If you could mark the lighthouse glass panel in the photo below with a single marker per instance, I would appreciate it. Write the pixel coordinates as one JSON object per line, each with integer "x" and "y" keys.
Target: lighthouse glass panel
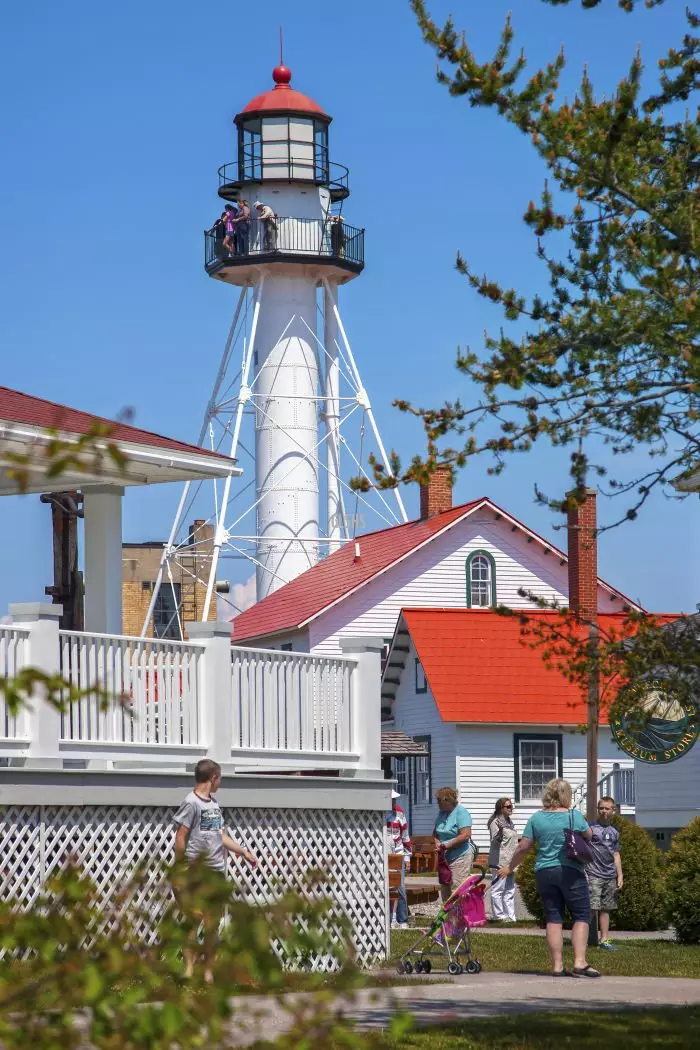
{"x": 287, "y": 148}
{"x": 250, "y": 150}
{"x": 480, "y": 581}
{"x": 321, "y": 151}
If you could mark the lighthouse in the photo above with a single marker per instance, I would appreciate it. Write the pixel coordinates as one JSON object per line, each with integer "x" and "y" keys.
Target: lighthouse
{"x": 284, "y": 243}
{"x": 283, "y": 161}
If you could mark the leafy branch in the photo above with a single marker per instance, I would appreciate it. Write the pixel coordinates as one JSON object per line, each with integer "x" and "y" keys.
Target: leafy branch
{"x": 611, "y": 354}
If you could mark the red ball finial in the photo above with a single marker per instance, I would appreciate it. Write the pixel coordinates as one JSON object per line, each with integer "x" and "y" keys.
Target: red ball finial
{"x": 281, "y": 75}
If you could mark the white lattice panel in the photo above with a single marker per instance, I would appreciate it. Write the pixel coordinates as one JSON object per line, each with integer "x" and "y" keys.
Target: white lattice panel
{"x": 110, "y": 841}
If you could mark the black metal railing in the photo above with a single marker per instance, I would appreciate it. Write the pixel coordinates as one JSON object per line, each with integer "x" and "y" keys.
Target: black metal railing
{"x": 327, "y": 238}
{"x": 318, "y": 170}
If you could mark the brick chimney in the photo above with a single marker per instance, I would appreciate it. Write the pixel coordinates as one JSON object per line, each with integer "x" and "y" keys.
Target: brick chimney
{"x": 436, "y": 496}
{"x": 583, "y": 558}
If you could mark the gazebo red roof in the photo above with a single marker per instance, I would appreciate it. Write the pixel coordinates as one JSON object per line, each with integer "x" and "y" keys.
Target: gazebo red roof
{"x": 282, "y": 98}
{"x": 16, "y": 407}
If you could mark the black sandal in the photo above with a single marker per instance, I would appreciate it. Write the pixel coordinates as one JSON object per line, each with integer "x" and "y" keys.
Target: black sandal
{"x": 585, "y": 971}
{"x": 561, "y": 973}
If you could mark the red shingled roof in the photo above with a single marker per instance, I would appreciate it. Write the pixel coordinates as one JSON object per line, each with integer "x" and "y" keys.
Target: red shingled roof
{"x": 16, "y": 407}
{"x": 479, "y": 670}
{"x": 339, "y": 574}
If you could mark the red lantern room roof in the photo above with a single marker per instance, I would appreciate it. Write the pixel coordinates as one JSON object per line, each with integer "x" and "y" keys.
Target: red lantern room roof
{"x": 282, "y": 98}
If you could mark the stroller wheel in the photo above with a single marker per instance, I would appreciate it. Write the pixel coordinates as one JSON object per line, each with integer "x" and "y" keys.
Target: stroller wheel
{"x": 400, "y": 967}
{"x": 427, "y": 966}
{"x": 472, "y": 966}
{"x": 480, "y": 967}
{"x": 419, "y": 967}
{"x": 408, "y": 967}
{"x": 454, "y": 968}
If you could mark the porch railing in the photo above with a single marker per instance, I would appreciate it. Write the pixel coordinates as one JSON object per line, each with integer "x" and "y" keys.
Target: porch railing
{"x": 618, "y": 783}
{"x": 154, "y": 685}
{"x": 291, "y": 701}
{"x": 132, "y": 701}
{"x": 13, "y": 649}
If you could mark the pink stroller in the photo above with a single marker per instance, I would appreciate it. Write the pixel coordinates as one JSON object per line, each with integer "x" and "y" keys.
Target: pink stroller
{"x": 450, "y": 933}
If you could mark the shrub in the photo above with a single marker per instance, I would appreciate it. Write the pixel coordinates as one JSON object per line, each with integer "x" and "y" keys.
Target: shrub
{"x": 683, "y": 883}
{"x": 525, "y": 879}
{"x": 641, "y": 900}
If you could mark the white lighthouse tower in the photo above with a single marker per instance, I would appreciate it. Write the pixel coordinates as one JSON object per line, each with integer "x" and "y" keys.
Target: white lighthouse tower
{"x": 298, "y": 375}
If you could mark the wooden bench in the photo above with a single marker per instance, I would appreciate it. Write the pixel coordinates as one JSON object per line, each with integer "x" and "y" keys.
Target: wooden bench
{"x": 424, "y": 856}
{"x": 414, "y": 894}
{"x": 421, "y": 894}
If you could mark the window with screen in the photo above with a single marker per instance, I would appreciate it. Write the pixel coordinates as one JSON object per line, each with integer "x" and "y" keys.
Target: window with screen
{"x": 538, "y": 759}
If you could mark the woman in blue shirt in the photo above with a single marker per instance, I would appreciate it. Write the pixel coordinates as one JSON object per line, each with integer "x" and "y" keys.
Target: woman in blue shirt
{"x": 453, "y": 830}
{"x": 561, "y": 882}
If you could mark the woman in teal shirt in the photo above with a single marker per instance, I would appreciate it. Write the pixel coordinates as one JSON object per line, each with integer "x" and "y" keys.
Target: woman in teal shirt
{"x": 561, "y": 882}
{"x": 453, "y": 830}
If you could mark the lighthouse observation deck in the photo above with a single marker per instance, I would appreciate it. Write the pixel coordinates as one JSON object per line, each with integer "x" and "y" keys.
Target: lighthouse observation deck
{"x": 330, "y": 244}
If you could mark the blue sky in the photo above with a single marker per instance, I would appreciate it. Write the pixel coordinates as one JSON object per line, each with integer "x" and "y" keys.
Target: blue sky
{"x": 115, "y": 119}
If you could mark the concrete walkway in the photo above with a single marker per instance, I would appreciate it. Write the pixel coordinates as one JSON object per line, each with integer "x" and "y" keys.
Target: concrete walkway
{"x": 483, "y": 995}
{"x": 488, "y": 994}
{"x": 535, "y": 931}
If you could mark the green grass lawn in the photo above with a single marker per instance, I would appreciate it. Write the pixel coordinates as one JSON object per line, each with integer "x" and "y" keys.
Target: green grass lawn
{"x": 515, "y": 952}
{"x": 673, "y": 1028}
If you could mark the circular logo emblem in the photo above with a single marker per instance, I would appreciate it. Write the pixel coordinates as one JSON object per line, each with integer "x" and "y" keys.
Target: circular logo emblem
{"x": 667, "y": 731}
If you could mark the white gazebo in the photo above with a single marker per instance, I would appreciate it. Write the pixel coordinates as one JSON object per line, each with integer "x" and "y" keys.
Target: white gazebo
{"x": 29, "y": 424}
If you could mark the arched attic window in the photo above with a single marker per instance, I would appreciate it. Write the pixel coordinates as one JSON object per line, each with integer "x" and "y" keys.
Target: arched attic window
{"x": 481, "y": 580}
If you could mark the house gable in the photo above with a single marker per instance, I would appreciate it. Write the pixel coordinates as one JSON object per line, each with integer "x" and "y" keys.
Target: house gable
{"x": 346, "y": 574}
{"x": 436, "y": 575}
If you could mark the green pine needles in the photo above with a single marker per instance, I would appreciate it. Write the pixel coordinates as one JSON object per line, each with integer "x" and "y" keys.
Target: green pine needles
{"x": 610, "y": 360}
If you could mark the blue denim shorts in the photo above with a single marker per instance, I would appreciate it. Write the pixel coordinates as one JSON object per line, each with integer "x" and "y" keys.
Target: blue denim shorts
{"x": 564, "y": 887}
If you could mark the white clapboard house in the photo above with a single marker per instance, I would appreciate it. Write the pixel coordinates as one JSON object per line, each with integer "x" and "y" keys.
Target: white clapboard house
{"x": 493, "y": 718}
{"x": 469, "y": 556}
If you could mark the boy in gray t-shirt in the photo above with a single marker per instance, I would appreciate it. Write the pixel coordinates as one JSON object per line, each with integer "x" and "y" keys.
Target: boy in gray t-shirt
{"x": 201, "y": 831}
{"x": 604, "y": 871}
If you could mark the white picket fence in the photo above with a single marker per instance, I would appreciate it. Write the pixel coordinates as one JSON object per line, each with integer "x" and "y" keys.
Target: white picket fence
{"x": 13, "y": 648}
{"x": 286, "y": 701}
{"x": 153, "y": 689}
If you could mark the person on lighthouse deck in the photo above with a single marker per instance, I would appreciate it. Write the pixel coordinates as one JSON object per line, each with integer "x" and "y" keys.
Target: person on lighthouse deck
{"x": 242, "y": 236}
{"x": 269, "y": 224}
{"x": 218, "y": 231}
{"x": 230, "y": 226}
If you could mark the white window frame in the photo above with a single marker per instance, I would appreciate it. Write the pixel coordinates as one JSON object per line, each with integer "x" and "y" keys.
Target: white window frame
{"x": 488, "y": 582}
{"x": 554, "y": 741}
